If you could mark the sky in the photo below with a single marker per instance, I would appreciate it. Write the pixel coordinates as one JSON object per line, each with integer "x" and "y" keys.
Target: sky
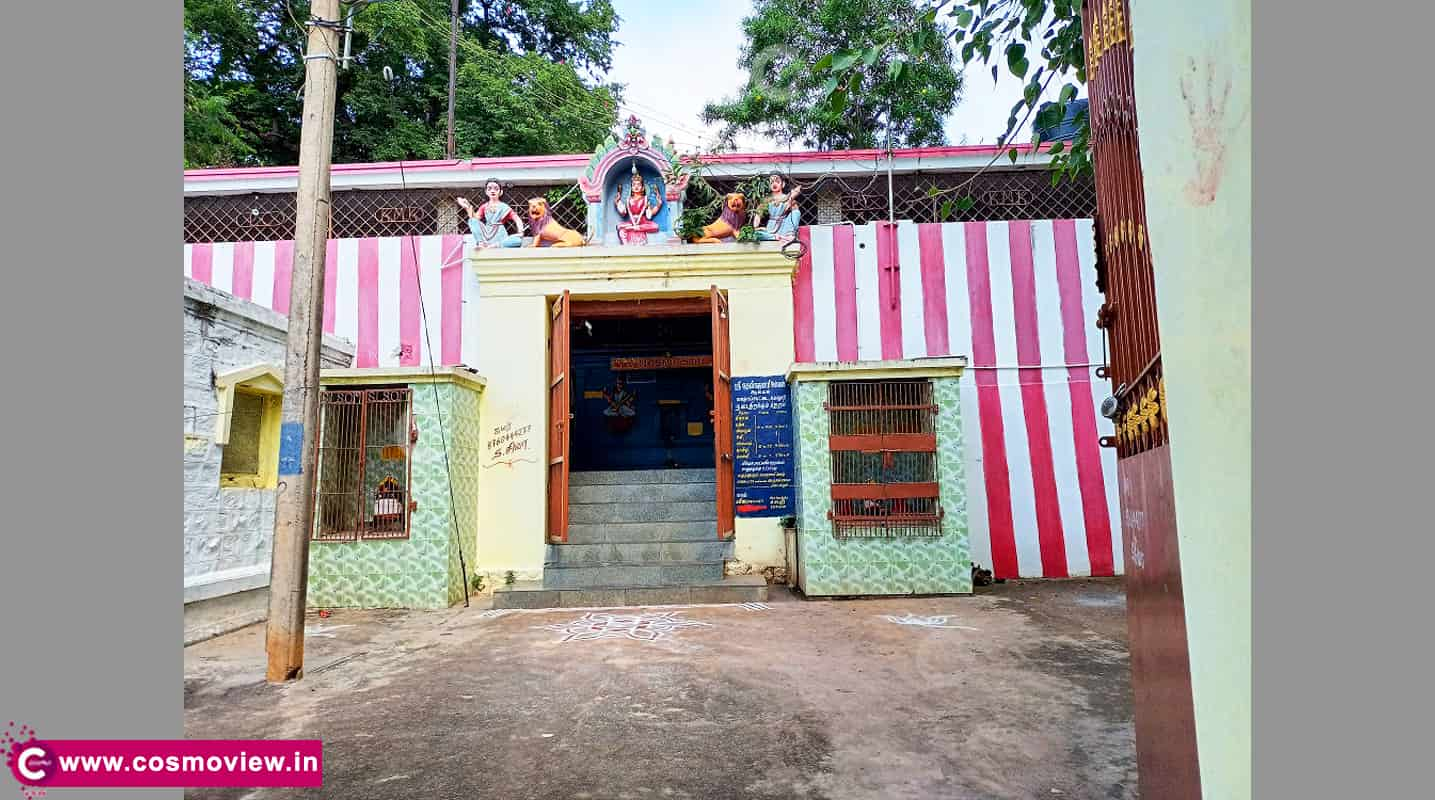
{"x": 677, "y": 55}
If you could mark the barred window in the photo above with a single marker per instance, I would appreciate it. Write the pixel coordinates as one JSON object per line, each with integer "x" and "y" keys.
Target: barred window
{"x": 365, "y": 442}
{"x": 883, "y": 445}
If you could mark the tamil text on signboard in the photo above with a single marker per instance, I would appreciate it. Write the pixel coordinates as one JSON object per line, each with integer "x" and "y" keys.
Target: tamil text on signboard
{"x": 762, "y": 447}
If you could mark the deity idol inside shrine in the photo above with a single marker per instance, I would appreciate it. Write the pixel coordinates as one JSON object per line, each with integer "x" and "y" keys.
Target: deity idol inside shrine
{"x": 631, "y": 200}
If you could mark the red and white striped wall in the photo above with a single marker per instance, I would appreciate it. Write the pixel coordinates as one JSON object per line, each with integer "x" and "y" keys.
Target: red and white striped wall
{"x": 1018, "y": 299}
{"x": 393, "y": 297}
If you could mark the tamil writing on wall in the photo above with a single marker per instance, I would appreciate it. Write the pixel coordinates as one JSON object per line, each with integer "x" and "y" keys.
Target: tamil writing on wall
{"x": 762, "y": 447}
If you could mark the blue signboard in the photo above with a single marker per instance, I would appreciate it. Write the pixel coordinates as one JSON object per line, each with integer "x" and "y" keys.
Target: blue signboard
{"x": 291, "y": 446}
{"x": 762, "y": 448}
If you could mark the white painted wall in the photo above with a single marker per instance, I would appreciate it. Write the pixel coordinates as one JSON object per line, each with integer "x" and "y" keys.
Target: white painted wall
{"x": 228, "y": 532}
{"x": 1193, "y": 98}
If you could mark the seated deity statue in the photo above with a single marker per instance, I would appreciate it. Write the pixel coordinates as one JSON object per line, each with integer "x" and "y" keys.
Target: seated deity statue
{"x": 635, "y": 215}
{"x": 783, "y": 216}
{"x": 489, "y": 222}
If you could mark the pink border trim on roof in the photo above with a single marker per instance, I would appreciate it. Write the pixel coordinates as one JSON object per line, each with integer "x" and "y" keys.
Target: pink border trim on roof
{"x": 579, "y": 161}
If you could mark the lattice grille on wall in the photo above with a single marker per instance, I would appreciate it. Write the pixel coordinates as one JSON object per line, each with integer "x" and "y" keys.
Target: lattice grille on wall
{"x": 999, "y": 195}
{"x": 361, "y": 213}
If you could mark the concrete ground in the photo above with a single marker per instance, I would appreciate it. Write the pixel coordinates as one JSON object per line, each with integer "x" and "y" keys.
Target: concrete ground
{"x": 802, "y": 699}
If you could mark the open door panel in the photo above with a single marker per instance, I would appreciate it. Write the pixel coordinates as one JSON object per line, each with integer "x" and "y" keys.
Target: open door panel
{"x": 559, "y": 436}
{"x": 722, "y": 414}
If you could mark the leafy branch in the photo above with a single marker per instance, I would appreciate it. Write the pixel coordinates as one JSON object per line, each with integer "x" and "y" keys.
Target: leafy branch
{"x": 984, "y": 29}
{"x": 704, "y": 202}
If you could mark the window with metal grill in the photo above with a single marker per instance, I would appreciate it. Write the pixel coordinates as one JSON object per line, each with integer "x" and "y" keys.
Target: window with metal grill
{"x": 883, "y": 444}
{"x": 365, "y": 444}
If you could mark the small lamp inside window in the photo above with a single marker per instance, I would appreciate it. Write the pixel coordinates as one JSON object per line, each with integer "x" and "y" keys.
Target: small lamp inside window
{"x": 388, "y": 505}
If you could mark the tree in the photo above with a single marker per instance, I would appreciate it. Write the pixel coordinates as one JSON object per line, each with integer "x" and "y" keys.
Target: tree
{"x": 244, "y": 69}
{"x": 1010, "y": 29}
{"x": 904, "y": 94}
{"x": 506, "y": 106}
{"x": 212, "y": 134}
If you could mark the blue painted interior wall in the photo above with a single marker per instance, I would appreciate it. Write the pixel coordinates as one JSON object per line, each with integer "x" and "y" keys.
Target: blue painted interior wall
{"x": 659, "y": 437}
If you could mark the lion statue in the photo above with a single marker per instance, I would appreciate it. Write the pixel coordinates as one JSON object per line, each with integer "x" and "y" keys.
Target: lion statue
{"x": 734, "y": 212}
{"x": 547, "y": 231}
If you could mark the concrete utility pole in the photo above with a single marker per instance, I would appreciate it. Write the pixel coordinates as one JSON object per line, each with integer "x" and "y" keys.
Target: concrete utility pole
{"x": 452, "y": 73}
{"x": 294, "y": 511}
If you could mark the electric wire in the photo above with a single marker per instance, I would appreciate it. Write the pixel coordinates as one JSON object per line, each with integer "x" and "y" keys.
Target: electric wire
{"x": 438, "y": 405}
{"x": 494, "y": 59}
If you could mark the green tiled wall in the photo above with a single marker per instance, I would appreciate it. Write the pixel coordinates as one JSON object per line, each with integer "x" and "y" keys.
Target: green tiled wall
{"x": 917, "y": 565}
{"x": 423, "y": 570}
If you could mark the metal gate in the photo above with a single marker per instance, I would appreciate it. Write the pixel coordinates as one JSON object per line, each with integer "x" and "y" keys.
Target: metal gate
{"x": 1123, "y": 263}
{"x": 1160, "y": 662}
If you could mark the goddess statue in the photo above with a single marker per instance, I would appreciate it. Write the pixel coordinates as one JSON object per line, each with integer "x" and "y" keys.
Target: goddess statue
{"x": 635, "y": 217}
{"x": 489, "y": 222}
{"x": 783, "y": 216}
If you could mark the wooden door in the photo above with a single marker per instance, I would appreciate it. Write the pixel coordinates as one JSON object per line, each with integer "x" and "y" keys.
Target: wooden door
{"x": 722, "y": 415}
{"x": 559, "y": 416}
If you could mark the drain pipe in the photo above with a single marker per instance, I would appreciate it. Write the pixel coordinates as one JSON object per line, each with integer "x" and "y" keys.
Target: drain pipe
{"x": 891, "y": 206}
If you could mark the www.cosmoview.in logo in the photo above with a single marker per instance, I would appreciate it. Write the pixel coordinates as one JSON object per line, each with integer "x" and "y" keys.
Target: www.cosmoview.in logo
{"x": 153, "y": 763}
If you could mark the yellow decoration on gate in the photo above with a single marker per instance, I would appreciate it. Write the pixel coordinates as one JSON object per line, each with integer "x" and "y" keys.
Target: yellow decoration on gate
{"x": 1144, "y": 416}
{"x": 1108, "y": 29}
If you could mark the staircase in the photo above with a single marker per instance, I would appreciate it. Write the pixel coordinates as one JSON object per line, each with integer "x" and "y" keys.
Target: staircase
{"x": 643, "y": 537}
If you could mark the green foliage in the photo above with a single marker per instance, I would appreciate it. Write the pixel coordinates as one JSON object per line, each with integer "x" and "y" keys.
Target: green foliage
{"x": 528, "y": 79}
{"x": 703, "y": 202}
{"x": 212, "y": 135}
{"x": 830, "y": 74}
{"x": 1012, "y": 28}
{"x": 525, "y": 105}
{"x": 1053, "y": 27}
{"x": 566, "y": 202}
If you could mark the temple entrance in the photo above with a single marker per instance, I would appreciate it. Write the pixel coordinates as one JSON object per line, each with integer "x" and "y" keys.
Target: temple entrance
{"x": 642, "y": 393}
{"x": 641, "y": 398}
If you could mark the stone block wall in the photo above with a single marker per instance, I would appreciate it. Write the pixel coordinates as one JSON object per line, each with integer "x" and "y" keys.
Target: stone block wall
{"x": 877, "y": 566}
{"x": 227, "y": 532}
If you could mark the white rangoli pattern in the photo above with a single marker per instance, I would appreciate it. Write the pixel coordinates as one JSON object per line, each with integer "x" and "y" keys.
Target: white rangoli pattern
{"x": 323, "y": 631}
{"x": 936, "y": 621}
{"x": 649, "y": 627}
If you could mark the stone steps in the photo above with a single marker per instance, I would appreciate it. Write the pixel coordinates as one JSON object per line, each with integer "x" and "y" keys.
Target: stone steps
{"x": 643, "y": 493}
{"x": 642, "y": 476}
{"x": 605, "y": 513}
{"x": 645, "y": 552}
{"x": 630, "y": 573}
{"x": 533, "y": 594}
{"x": 639, "y": 529}
{"x": 633, "y": 532}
